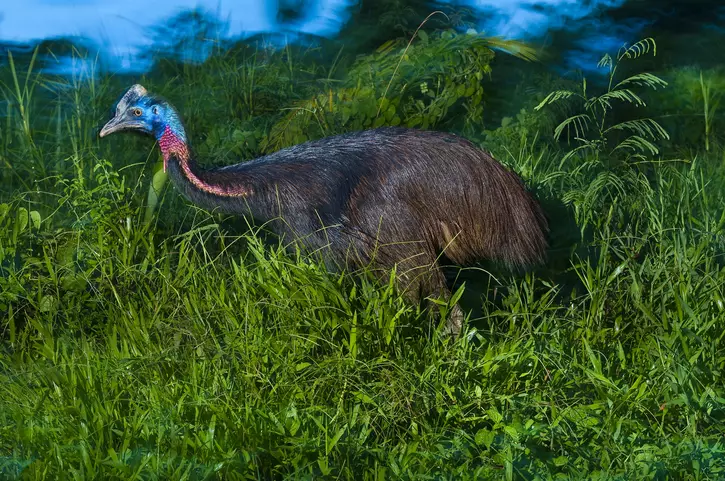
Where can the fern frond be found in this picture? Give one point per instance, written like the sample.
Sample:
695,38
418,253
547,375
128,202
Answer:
605,61
625,95
638,49
585,198
641,127
572,197
594,146
635,143
556,96
604,181
580,124
640,135
643,79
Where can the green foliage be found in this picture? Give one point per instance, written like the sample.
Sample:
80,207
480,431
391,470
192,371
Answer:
692,105
421,85
639,135
603,166
172,347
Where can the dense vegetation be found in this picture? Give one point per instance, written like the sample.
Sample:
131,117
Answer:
143,338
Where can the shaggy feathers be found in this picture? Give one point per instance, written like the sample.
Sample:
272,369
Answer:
381,198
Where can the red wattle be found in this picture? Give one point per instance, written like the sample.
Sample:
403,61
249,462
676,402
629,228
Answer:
170,145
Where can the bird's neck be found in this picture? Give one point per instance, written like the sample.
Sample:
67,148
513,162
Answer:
204,187
173,144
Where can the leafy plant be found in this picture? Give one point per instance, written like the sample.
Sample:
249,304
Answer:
193,348
609,149
415,84
595,130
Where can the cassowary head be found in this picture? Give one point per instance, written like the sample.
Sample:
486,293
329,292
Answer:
137,110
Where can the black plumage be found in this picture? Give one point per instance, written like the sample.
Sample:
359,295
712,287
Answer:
378,198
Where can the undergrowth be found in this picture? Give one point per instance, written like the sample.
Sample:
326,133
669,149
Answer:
183,345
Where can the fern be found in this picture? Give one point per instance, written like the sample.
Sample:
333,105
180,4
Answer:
638,49
636,144
644,133
642,127
604,101
557,96
580,124
644,79
603,149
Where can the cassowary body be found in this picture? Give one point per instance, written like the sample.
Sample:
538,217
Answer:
379,198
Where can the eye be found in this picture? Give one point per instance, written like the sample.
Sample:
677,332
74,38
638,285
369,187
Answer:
137,112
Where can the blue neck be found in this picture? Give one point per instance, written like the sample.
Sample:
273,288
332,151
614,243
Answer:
170,119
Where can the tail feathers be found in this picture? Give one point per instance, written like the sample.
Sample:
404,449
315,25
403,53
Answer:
507,226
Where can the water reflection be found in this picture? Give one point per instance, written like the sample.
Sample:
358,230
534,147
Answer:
129,35
125,30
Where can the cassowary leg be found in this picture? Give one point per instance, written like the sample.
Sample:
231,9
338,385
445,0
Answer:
417,275
417,280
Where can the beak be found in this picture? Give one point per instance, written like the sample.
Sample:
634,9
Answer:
113,125
118,123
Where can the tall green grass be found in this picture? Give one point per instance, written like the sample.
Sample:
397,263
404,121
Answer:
188,346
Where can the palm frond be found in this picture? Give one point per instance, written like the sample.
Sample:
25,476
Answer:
643,79
641,127
592,145
624,95
580,124
641,134
638,49
606,180
556,96
635,143
605,61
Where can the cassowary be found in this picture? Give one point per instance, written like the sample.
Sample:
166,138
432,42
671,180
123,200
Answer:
383,198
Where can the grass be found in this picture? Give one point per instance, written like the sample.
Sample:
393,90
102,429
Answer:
190,347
